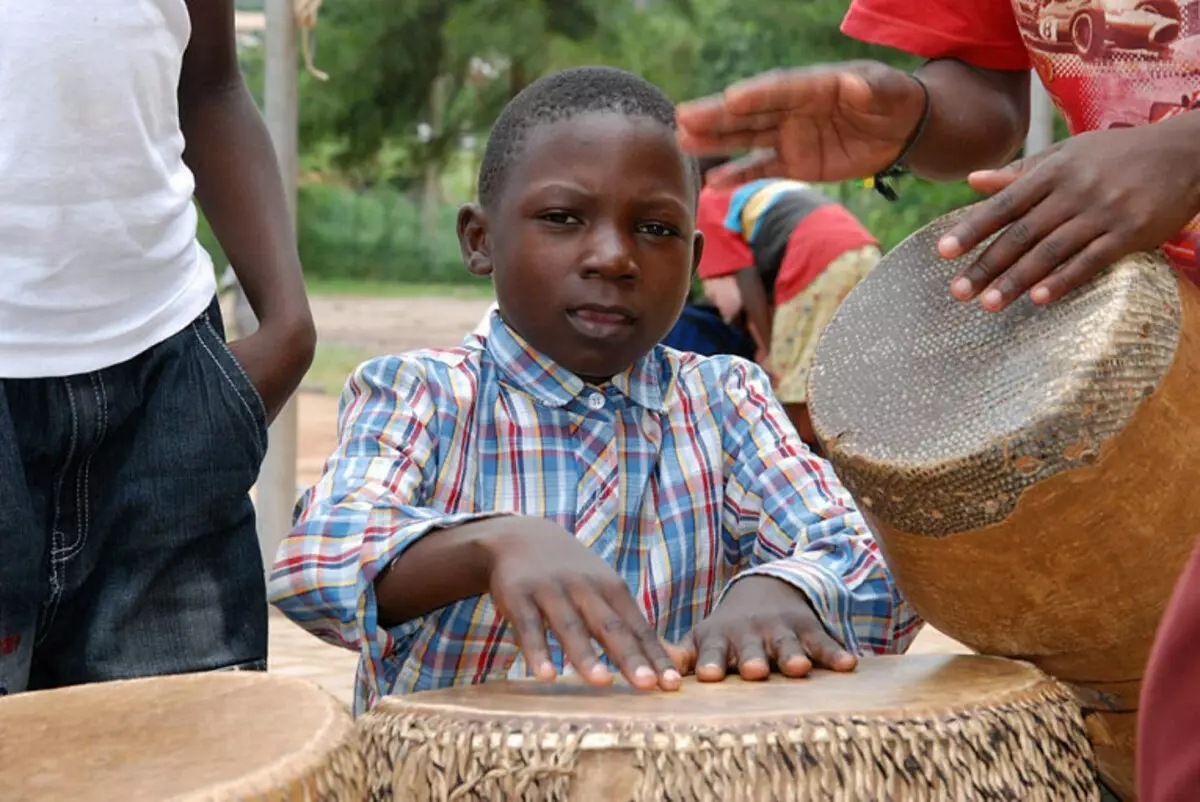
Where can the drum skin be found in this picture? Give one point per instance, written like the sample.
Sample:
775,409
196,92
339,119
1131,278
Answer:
932,727
1031,474
213,737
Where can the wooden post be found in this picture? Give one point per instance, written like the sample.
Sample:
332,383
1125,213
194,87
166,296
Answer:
277,481
1041,118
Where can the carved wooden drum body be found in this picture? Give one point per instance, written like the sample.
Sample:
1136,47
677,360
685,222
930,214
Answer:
1031,474
207,737
903,728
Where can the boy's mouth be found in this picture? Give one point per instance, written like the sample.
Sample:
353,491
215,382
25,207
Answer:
597,320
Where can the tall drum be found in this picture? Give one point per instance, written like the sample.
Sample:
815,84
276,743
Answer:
1031,474
200,738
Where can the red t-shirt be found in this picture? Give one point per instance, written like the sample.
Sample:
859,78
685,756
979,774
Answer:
1105,63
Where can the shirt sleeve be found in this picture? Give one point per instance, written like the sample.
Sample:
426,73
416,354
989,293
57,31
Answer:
364,513
724,252
793,520
982,33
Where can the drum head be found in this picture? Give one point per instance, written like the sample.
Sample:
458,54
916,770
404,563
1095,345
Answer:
885,686
938,414
217,736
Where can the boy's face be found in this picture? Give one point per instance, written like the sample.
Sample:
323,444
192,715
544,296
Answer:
591,242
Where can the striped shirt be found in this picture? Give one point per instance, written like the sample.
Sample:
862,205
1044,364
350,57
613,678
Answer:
683,473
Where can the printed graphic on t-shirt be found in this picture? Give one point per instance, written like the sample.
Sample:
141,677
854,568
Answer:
1116,64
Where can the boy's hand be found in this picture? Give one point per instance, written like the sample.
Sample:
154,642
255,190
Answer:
1082,204
828,123
762,623
539,574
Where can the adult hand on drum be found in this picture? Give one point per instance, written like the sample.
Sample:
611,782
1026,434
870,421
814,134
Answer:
1075,209
762,623
539,574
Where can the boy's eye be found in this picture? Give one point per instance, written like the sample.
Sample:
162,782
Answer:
657,230
560,218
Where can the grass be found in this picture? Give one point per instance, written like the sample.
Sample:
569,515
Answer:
390,289
332,365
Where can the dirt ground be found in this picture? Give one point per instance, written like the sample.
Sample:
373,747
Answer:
383,325
372,326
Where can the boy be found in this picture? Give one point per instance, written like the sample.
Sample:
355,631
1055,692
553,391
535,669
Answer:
129,434
783,255
565,468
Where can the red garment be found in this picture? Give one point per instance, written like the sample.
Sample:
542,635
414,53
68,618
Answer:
1140,65
820,238
725,252
1168,767
813,244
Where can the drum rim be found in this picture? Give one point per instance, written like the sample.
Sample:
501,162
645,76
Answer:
333,728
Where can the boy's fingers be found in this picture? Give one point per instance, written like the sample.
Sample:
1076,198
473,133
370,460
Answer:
788,653
645,643
608,627
825,651
530,632
752,657
573,634
712,660
683,655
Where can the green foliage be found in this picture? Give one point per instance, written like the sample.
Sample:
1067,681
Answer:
375,234
365,160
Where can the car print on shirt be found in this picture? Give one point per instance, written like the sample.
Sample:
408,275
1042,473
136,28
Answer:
1094,28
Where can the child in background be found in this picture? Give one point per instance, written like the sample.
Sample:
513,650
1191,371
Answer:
781,257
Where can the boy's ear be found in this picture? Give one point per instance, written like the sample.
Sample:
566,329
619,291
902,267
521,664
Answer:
473,239
697,251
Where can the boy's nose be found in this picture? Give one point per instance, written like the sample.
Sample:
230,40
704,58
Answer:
609,254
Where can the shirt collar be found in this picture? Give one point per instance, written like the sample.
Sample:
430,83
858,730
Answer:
642,383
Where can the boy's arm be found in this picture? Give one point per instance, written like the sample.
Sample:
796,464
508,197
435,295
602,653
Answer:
240,190
366,512
795,522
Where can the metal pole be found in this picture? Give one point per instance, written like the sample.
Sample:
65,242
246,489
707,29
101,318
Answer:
277,480
1041,118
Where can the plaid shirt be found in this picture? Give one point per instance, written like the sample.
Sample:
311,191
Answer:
683,473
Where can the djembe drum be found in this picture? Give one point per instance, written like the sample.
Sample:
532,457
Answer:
211,737
905,728
1030,474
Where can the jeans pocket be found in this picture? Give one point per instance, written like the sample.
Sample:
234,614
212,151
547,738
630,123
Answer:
246,396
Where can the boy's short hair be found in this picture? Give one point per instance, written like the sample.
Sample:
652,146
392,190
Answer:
562,96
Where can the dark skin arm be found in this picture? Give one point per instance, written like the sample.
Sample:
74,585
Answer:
539,577
848,121
238,186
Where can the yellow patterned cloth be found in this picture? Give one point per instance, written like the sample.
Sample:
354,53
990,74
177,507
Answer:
799,321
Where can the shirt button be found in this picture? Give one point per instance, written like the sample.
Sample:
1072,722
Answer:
595,401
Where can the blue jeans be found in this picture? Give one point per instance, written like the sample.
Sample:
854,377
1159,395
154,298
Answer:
127,535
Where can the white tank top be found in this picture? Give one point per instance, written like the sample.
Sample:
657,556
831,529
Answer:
98,253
